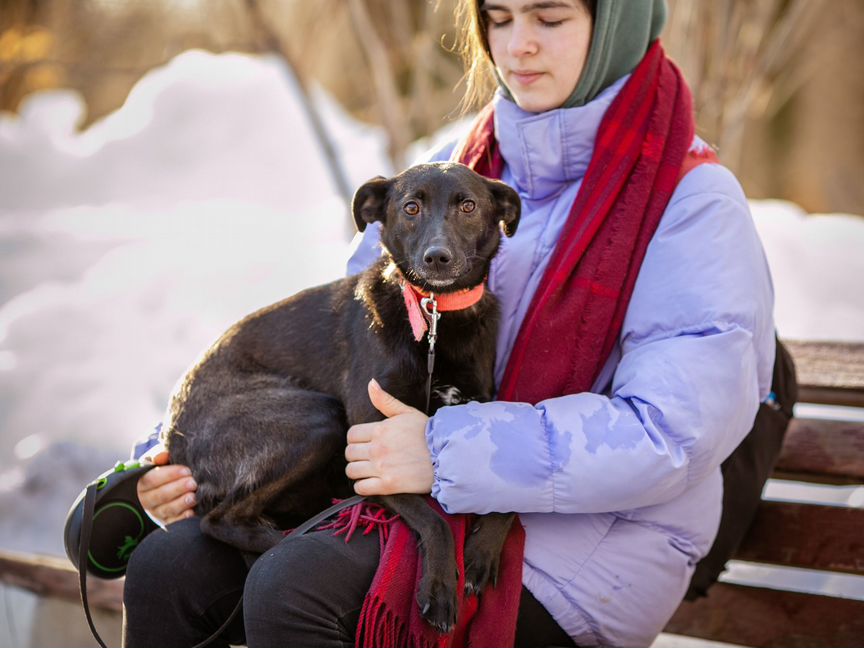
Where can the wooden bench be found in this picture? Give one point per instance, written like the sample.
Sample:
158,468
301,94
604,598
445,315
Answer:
826,539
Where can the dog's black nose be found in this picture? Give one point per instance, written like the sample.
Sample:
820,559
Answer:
437,257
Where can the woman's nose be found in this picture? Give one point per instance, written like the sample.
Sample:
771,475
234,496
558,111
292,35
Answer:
523,40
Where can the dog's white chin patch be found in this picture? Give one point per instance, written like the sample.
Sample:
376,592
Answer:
440,283
449,395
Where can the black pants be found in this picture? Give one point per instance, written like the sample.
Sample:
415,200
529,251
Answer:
181,586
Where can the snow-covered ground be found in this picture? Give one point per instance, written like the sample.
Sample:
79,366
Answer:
126,249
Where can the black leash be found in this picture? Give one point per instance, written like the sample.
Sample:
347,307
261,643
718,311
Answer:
84,550
323,515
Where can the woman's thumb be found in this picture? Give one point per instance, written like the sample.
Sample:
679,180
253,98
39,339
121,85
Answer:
385,403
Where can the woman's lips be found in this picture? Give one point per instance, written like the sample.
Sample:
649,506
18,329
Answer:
525,77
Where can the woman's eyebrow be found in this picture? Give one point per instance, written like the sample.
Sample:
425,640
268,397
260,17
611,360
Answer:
531,6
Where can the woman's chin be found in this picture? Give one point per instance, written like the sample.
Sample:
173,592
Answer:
535,103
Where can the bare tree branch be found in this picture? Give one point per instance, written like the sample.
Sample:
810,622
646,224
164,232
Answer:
384,79
271,41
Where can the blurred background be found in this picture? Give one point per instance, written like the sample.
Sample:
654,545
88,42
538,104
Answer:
167,166
778,86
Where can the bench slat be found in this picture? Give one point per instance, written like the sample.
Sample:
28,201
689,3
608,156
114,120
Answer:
818,447
806,535
753,616
56,577
829,365
831,396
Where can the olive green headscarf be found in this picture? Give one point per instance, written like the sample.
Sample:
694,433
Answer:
623,29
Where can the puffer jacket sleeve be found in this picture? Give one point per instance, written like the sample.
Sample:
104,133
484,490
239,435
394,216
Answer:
695,355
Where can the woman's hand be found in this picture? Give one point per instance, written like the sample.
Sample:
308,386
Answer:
167,493
390,456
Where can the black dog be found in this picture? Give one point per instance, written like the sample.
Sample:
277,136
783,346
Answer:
261,420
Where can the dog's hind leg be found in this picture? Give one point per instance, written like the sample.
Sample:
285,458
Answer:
284,442
241,524
242,521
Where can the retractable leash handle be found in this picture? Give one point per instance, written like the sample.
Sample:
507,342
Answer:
117,517
107,522
109,504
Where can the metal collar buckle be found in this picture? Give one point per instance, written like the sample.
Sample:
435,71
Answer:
429,308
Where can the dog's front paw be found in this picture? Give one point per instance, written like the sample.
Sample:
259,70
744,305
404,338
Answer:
438,603
481,567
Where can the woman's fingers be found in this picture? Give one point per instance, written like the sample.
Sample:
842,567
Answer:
167,493
360,470
358,452
361,433
160,458
162,475
371,486
178,509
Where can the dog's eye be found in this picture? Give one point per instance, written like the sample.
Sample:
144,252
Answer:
467,206
411,208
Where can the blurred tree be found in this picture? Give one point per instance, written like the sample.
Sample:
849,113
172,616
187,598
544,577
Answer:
743,60
102,47
401,74
382,60
751,64
811,150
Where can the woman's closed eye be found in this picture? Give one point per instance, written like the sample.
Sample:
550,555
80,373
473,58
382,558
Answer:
497,18
552,17
551,23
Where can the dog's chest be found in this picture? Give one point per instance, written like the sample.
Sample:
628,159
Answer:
466,378
444,395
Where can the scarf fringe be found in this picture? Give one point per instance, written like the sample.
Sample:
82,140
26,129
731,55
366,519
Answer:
381,626
373,516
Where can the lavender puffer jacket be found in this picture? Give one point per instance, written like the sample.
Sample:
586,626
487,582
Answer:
619,489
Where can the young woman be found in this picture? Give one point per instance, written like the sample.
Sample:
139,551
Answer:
636,344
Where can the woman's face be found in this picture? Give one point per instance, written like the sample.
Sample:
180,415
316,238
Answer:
539,48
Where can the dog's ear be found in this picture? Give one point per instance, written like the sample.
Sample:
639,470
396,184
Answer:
508,204
369,201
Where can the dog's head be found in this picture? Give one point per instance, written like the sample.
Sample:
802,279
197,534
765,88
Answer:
441,222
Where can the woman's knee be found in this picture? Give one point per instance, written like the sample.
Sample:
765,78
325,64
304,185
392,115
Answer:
181,555
321,571
280,571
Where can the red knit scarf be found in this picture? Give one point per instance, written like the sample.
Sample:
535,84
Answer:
578,309
574,320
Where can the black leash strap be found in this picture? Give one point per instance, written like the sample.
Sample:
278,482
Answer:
84,550
430,363
312,522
